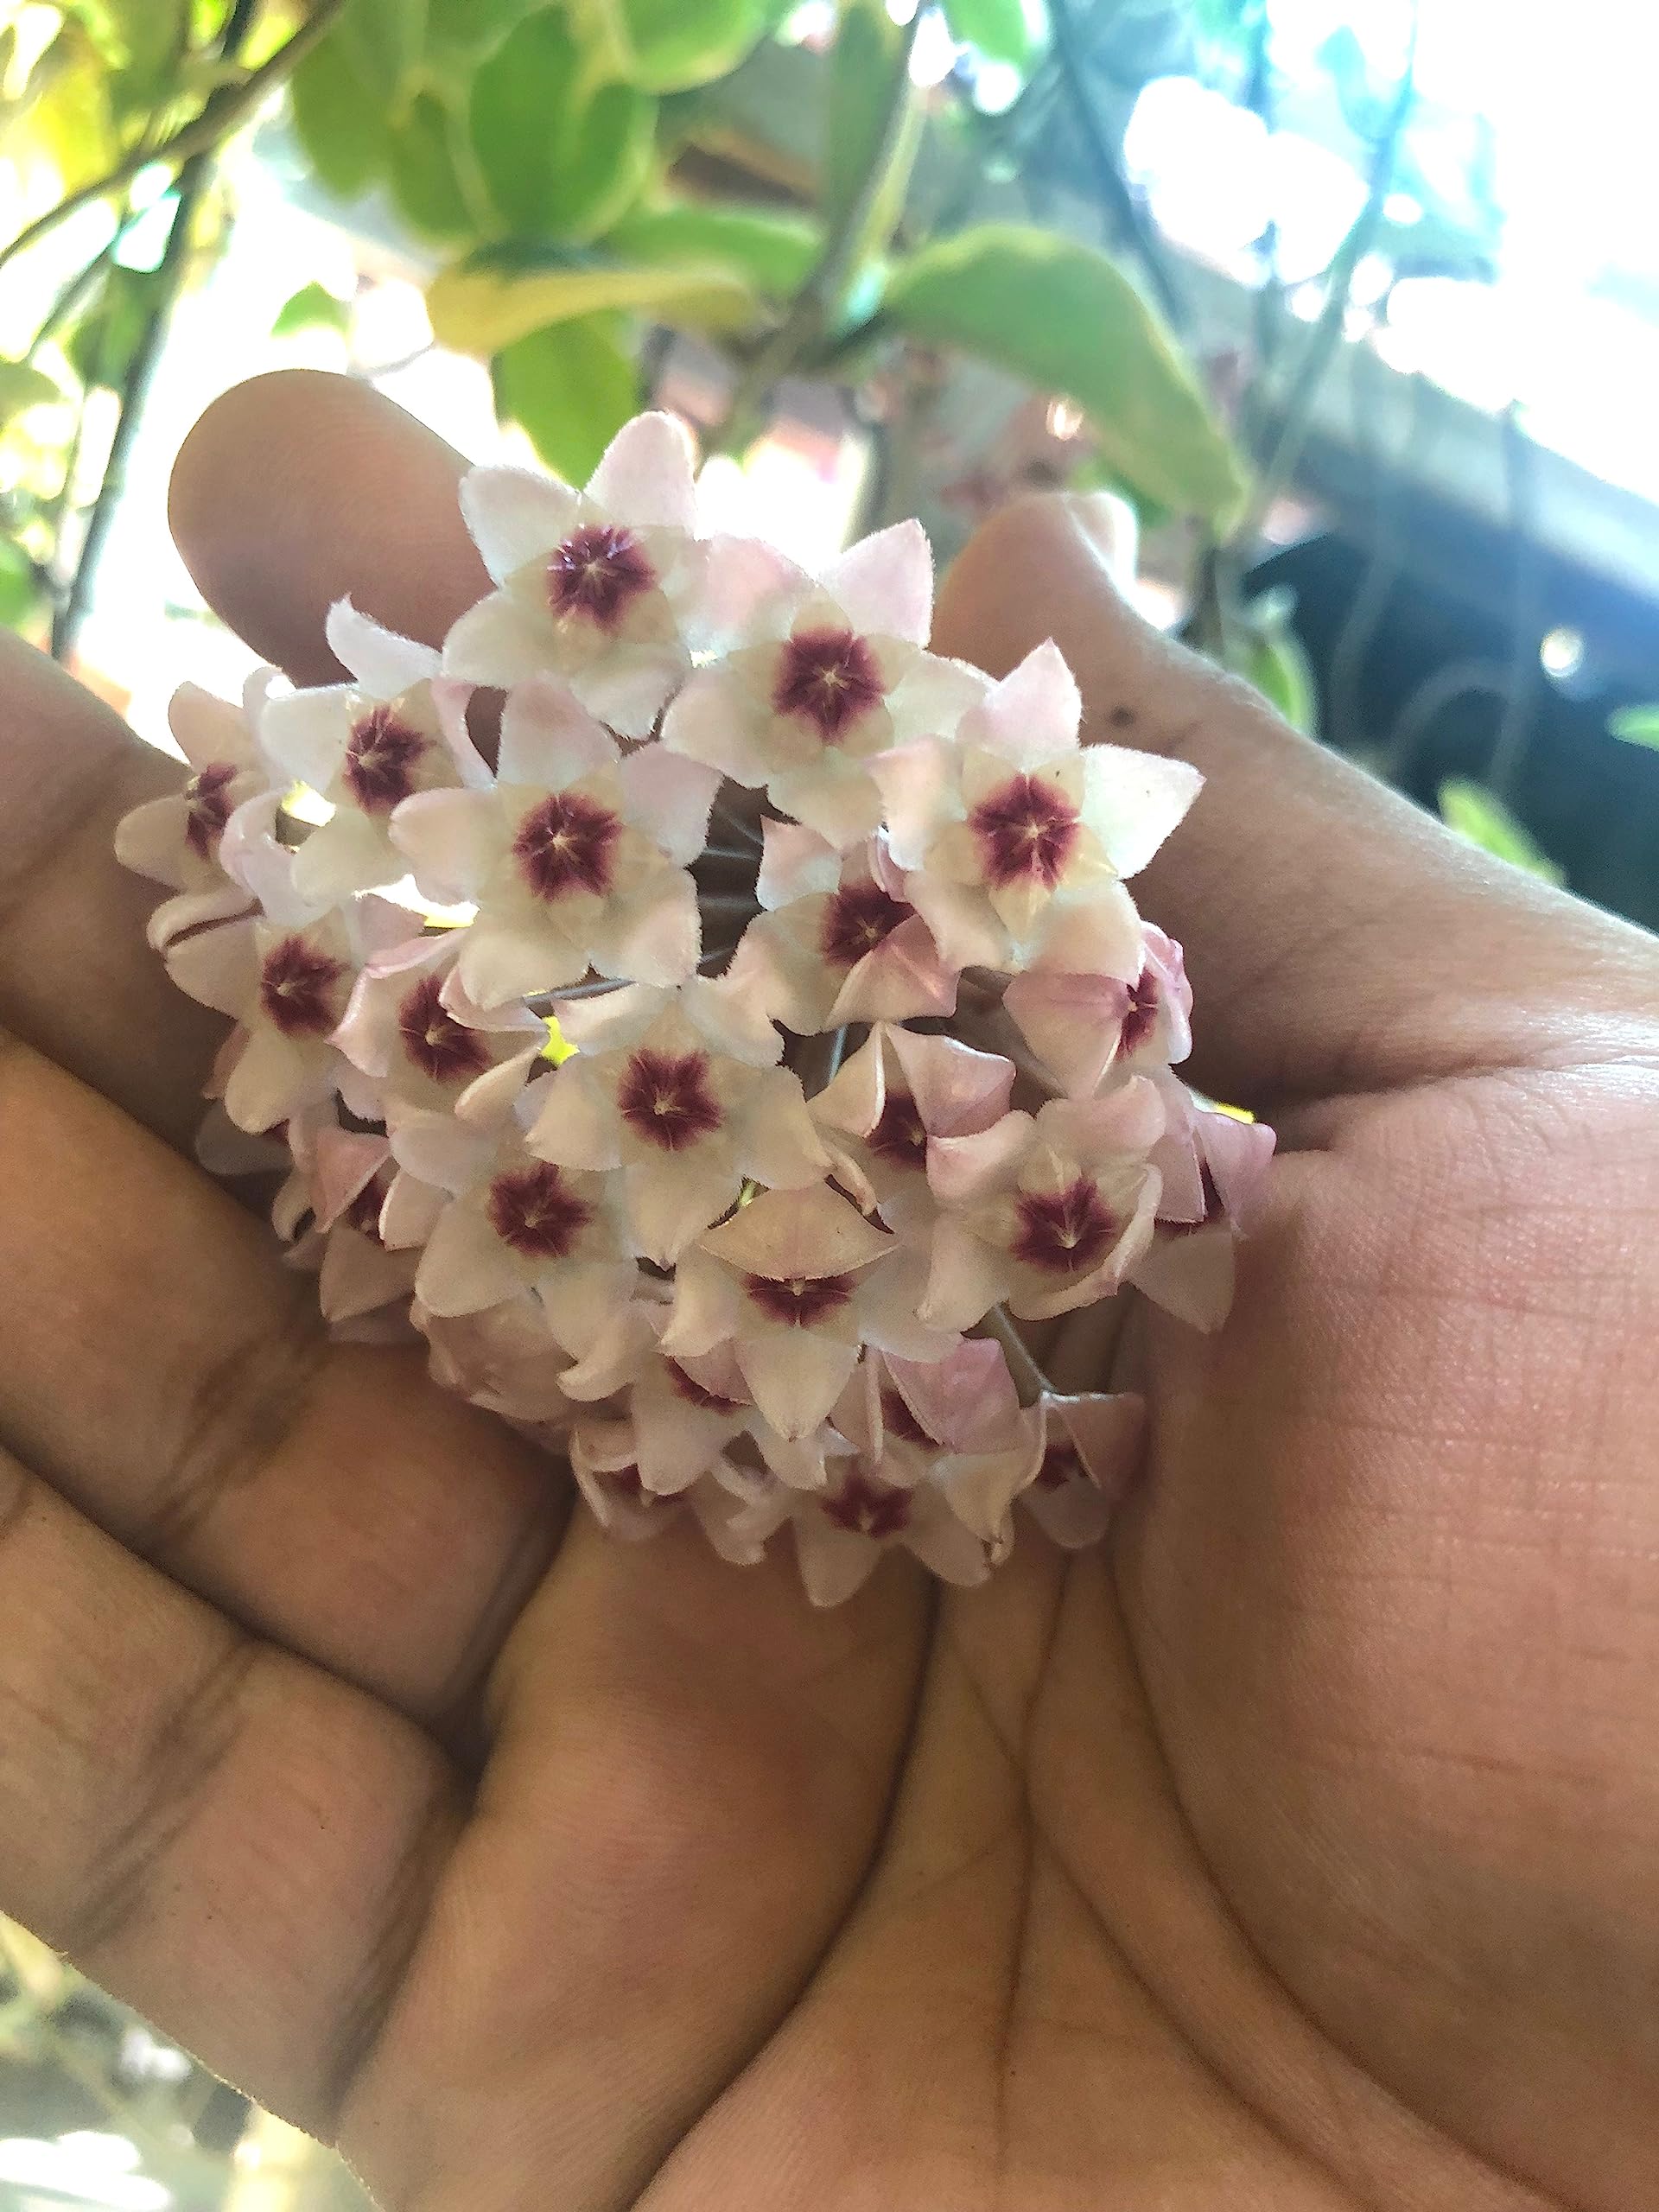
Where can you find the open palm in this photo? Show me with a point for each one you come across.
(1301, 1849)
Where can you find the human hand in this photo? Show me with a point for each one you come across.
(1300, 1849)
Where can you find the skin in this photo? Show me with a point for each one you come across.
(1298, 1849)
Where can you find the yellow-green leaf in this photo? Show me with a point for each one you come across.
(771, 253)
(339, 121)
(561, 151)
(1067, 319)
(863, 71)
(483, 308)
(313, 307)
(1636, 726)
(1480, 818)
(1003, 30)
(22, 387)
(670, 45)
(384, 39)
(572, 388)
(421, 171)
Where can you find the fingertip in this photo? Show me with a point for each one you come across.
(300, 486)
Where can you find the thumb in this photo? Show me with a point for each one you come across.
(1338, 940)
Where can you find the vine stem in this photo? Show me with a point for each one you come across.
(1021, 1362)
(193, 179)
(220, 114)
(805, 324)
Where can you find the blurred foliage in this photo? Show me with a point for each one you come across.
(1480, 818)
(1637, 726)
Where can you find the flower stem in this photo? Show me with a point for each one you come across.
(1028, 1378)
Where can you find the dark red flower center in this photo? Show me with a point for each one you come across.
(898, 1137)
(439, 1047)
(1060, 1465)
(859, 917)
(1063, 1232)
(596, 573)
(300, 989)
(1141, 1017)
(536, 1212)
(381, 756)
(900, 1421)
(688, 1387)
(829, 678)
(1025, 829)
(207, 801)
(799, 1300)
(566, 843)
(665, 1099)
(867, 1509)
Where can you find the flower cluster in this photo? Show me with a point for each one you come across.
(718, 1079)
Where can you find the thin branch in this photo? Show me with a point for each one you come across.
(805, 324)
(1325, 336)
(1129, 217)
(220, 113)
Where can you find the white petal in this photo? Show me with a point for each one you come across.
(965, 1279)
(653, 937)
(934, 694)
(218, 966)
(208, 730)
(957, 1090)
(668, 1205)
(645, 474)
(383, 664)
(1133, 800)
(1099, 934)
(358, 1276)
(1033, 714)
(576, 1126)
(629, 686)
(500, 641)
(885, 583)
(437, 1149)
(548, 738)
(837, 797)
(668, 796)
(964, 928)
(273, 1079)
(514, 515)
(795, 863)
(151, 842)
(952, 1550)
(780, 1147)
(715, 719)
(346, 853)
(1190, 1277)
(796, 1376)
(502, 960)
(466, 1266)
(808, 1233)
(305, 733)
(963, 1169)
(835, 1562)
(451, 840)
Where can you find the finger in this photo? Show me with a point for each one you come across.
(298, 488)
(76, 976)
(1338, 940)
(173, 1380)
(228, 1838)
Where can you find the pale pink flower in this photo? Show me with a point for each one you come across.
(842, 1531)
(366, 746)
(958, 1424)
(1213, 1170)
(841, 942)
(1091, 1450)
(511, 1222)
(1084, 1027)
(695, 1413)
(894, 1095)
(831, 673)
(576, 857)
(504, 1358)
(411, 1027)
(175, 840)
(796, 1281)
(285, 977)
(349, 1173)
(685, 1123)
(1044, 1212)
(602, 1459)
(1016, 837)
(600, 587)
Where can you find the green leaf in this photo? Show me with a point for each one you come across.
(1279, 671)
(561, 152)
(22, 387)
(421, 171)
(1480, 818)
(470, 28)
(101, 346)
(1063, 316)
(340, 122)
(383, 41)
(774, 253)
(20, 589)
(1637, 726)
(483, 306)
(313, 307)
(868, 55)
(1003, 30)
(572, 387)
(673, 46)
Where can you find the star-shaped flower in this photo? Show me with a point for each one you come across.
(1047, 1213)
(1084, 1027)
(840, 942)
(897, 1092)
(1091, 1449)
(1213, 1169)
(831, 673)
(411, 1028)
(686, 1123)
(1015, 836)
(175, 840)
(600, 587)
(576, 856)
(396, 728)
